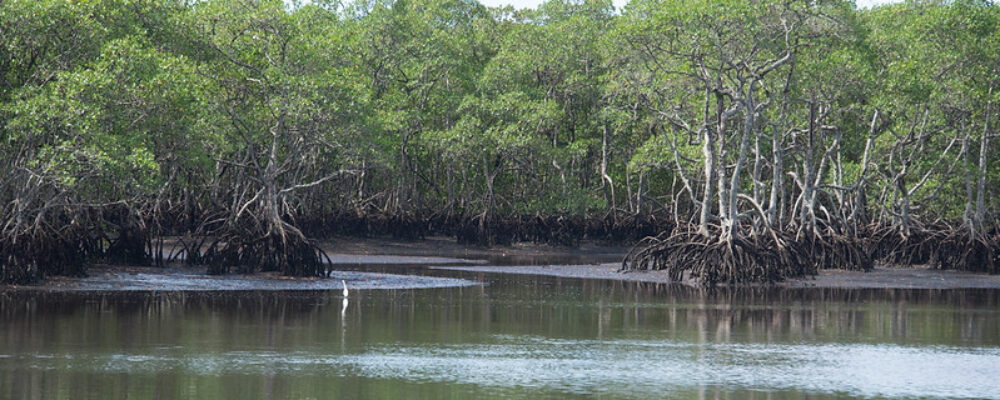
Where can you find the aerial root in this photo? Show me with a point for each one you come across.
(892, 247)
(940, 247)
(711, 259)
(959, 249)
(837, 251)
(247, 250)
(130, 242)
(30, 256)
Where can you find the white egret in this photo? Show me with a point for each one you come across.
(345, 287)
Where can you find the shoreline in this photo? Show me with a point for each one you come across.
(591, 260)
(188, 279)
(595, 260)
(879, 278)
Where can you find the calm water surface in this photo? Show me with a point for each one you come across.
(517, 337)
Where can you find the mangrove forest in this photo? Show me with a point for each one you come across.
(727, 140)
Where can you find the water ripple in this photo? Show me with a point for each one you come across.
(631, 368)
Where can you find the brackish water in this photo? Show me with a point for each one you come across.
(518, 337)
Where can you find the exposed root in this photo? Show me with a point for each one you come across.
(484, 230)
(709, 260)
(487, 229)
(837, 251)
(131, 243)
(630, 228)
(560, 230)
(243, 249)
(890, 246)
(29, 257)
(959, 249)
(940, 247)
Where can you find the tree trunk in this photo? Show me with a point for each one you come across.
(708, 150)
(808, 213)
(606, 179)
(984, 143)
(729, 224)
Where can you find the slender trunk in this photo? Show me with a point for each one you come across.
(606, 179)
(402, 188)
(638, 195)
(777, 179)
(860, 211)
(970, 193)
(708, 150)
(838, 177)
(628, 190)
(720, 154)
(734, 184)
(490, 202)
(808, 205)
(757, 161)
(984, 144)
(270, 203)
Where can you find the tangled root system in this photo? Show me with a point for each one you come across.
(484, 230)
(31, 256)
(940, 247)
(709, 260)
(962, 250)
(890, 246)
(560, 230)
(129, 239)
(837, 251)
(248, 250)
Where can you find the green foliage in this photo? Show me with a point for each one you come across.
(429, 104)
(112, 121)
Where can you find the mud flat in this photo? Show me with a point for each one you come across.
(899, 278)
(346, 253)
(389, 264)
(598, 271)
(887, 278)
(190, 279)
(349, 250)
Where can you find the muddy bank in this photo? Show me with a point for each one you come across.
(347, 250)
(440, 250)
(387, 264)
(595, 260)
(898, 278)
(189, 279)
(594, 271)
(345, 257)
(880, 277)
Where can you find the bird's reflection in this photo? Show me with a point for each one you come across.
(343, 308)
(343, 325)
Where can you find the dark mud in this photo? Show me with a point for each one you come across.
(344, 257)
(598, 271)
(391, 264)
(362, 251)
(899, 278)
(188, 279)
(878, 278)
(379, 259)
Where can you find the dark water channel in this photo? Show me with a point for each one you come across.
(516, 337)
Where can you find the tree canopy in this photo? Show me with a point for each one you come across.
(250, 126)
